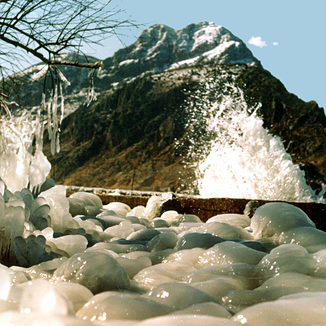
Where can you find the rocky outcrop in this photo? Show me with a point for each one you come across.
(125, 139)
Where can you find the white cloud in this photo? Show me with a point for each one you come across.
(275, 43)
(257, 41)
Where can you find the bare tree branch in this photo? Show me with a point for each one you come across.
(48, 28)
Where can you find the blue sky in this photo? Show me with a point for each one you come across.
(298, 27)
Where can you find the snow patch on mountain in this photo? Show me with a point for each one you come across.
(206, 35)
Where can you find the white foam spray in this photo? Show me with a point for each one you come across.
(244, 160)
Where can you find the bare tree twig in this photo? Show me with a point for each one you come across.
(46, 28)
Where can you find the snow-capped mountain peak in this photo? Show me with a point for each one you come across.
(161, 47)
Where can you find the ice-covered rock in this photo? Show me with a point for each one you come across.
(223, 230)
(68, 245)
(272, 219)
(119, 208)
(206, 308)
(232, 219)
(189, 320)
(179, 295)
(84, 203)
(201, 240)
(31, 251)
(162, 241)
(39, 296)
(138, 273)
(112, 305)
(289, 310)
(228, 253)
(98, 271)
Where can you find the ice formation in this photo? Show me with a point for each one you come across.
(118, 267)
(18, 166)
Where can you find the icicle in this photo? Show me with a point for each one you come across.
(49, 124)
(39, 129)
(41, 73)
(39, 165)
(61, 76)
(39, 135)
(91, 95)
(62, 105)
(58, 142)
(53, 146)
(55, 120)
(54, 111)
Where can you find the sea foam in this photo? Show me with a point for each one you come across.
(234, 155)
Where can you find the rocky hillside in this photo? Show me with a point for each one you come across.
(136, 135)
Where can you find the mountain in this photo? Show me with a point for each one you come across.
(136, 135)
(158, 48)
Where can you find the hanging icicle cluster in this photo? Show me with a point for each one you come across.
(55, 107)
(91, 95)
(19, 167)
(22, 162)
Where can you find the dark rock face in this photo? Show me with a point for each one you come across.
(124, 138)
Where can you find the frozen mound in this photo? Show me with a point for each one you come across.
(97, 271)
(273, 219)
(299, 309)
(112, 305)
(75, 261)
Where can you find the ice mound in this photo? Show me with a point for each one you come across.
(272, 219)
(112, 305)
(98, 271)
(298, 309)
(189, 320)
(75, 261)
(179, 295)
